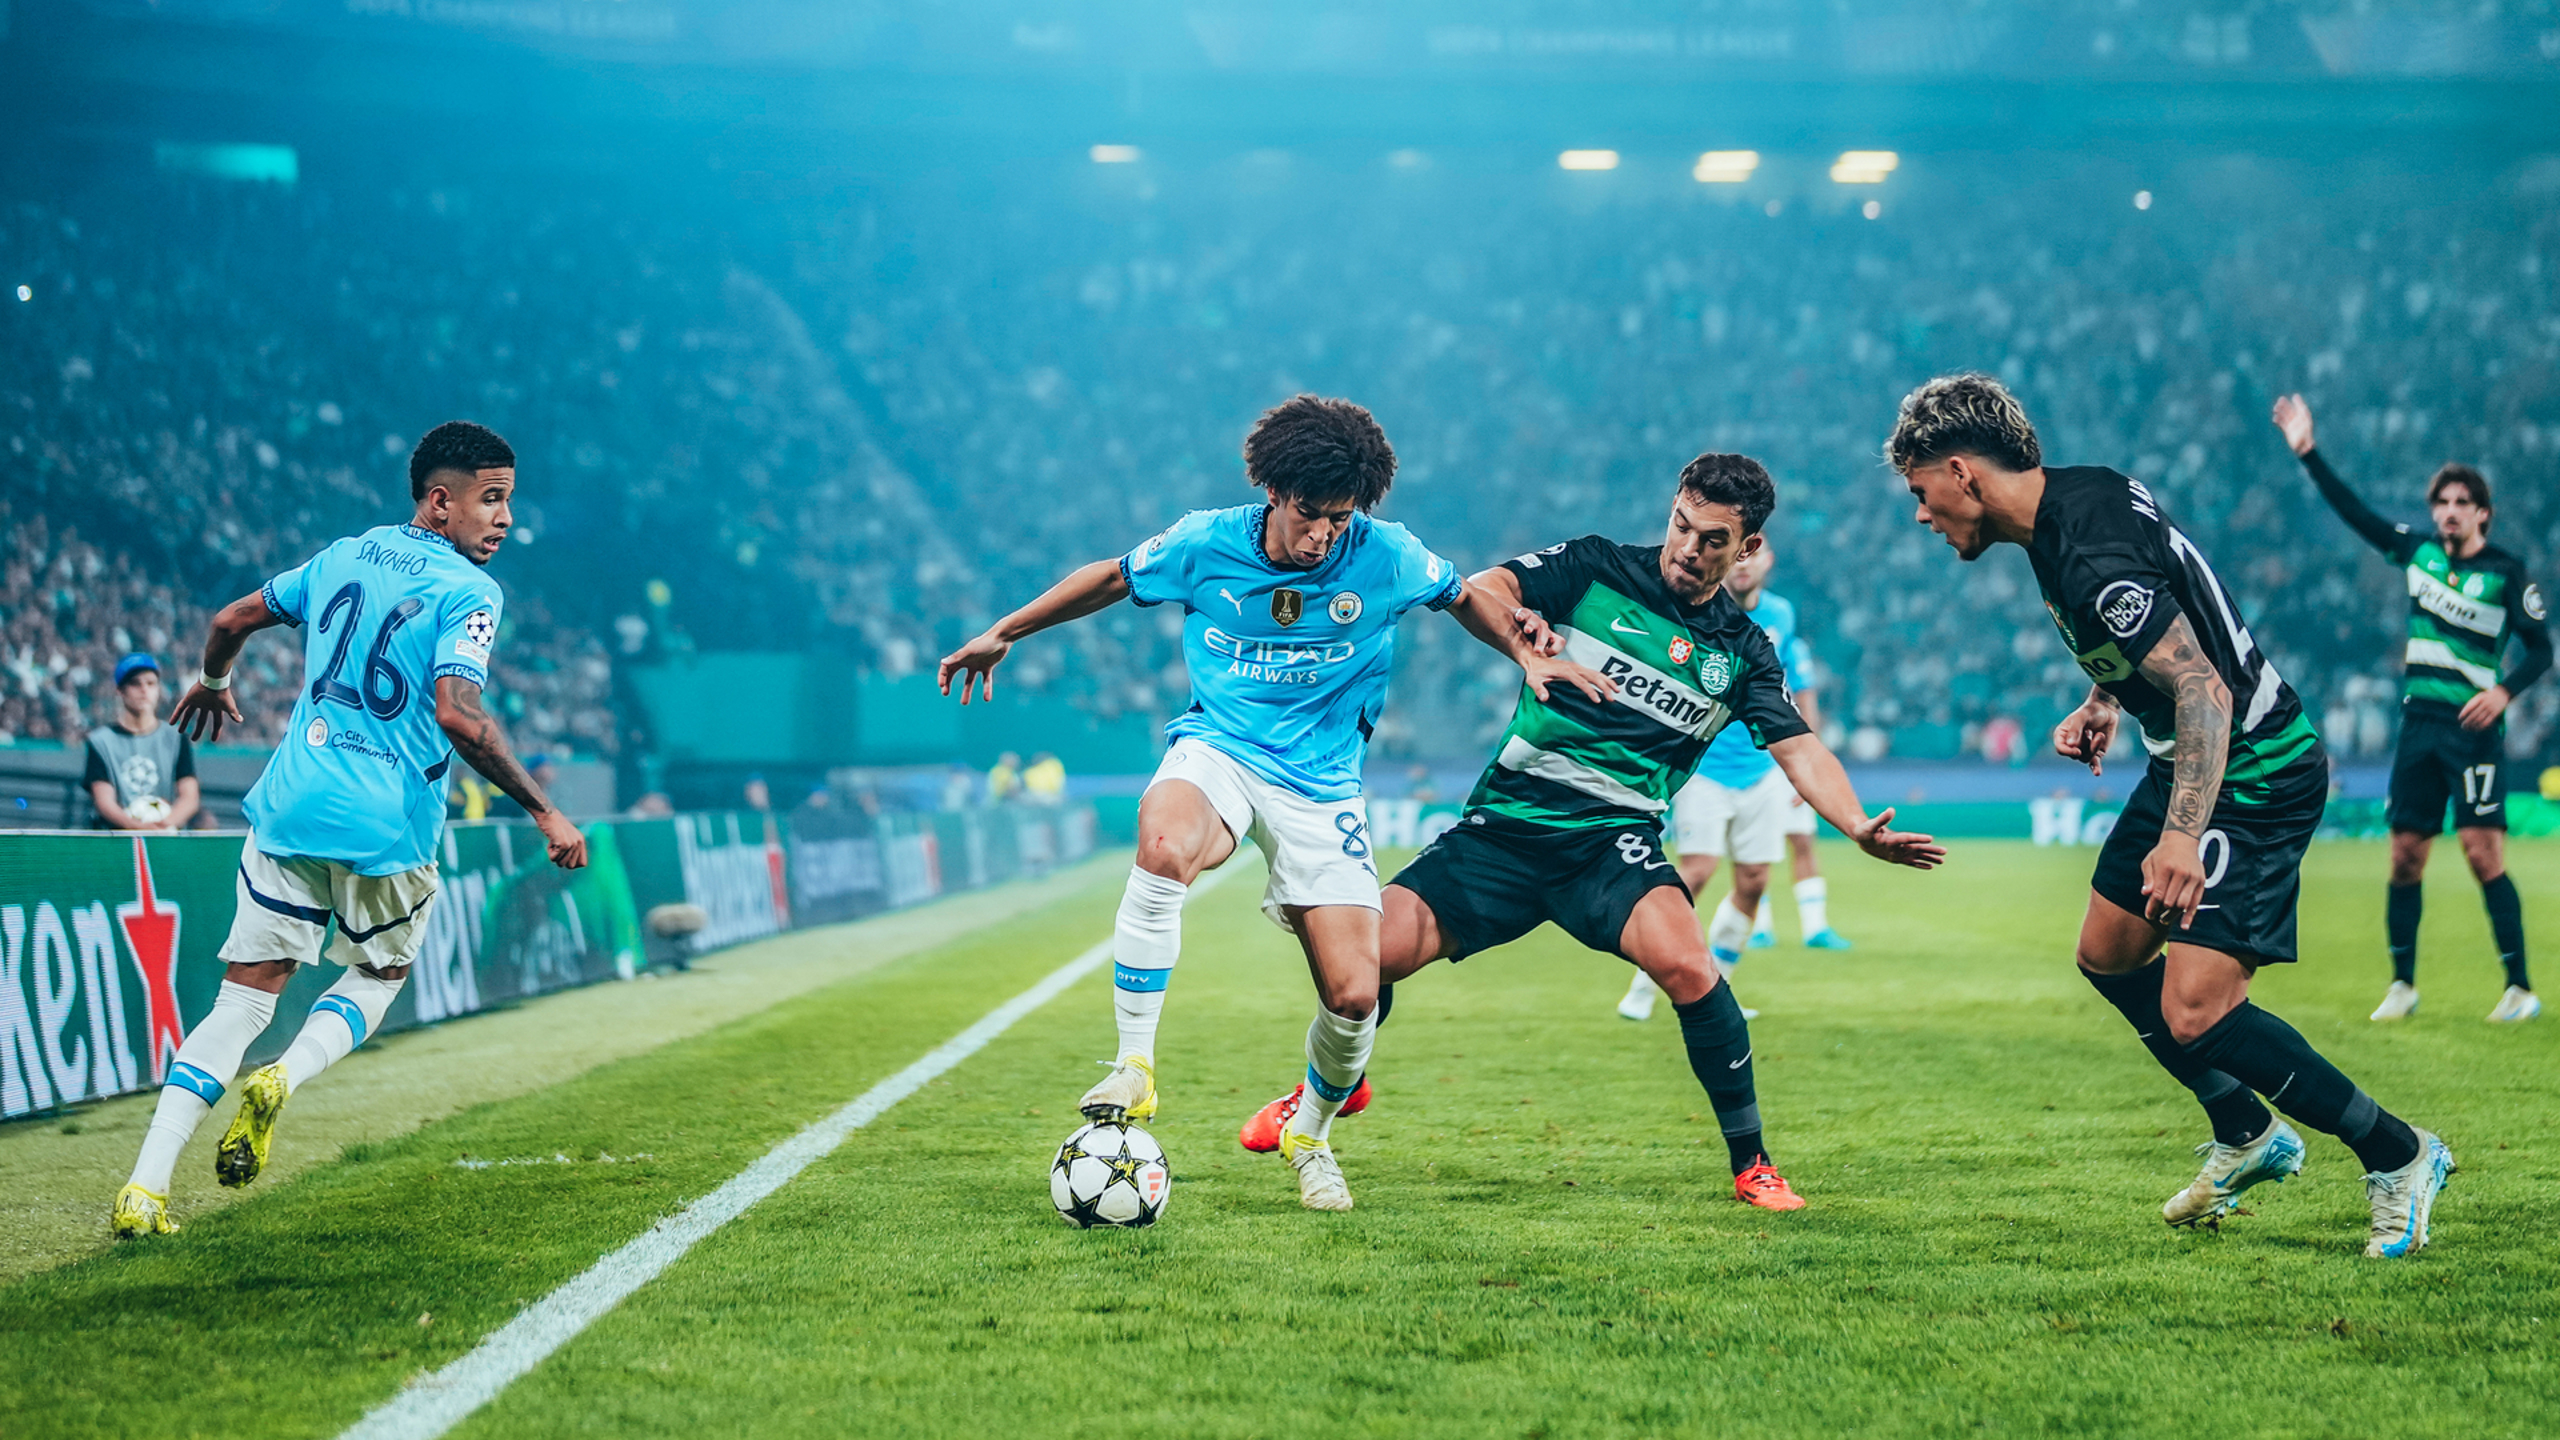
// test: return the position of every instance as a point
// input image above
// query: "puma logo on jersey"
(1230, 599)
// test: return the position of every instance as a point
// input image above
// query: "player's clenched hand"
(1540, 637)
(2293, 417)
(2086, 734)
(568, 847)
(1543, 672)
(975, 663)
(200, 712)
(1899, 847)
(2173, 880)
(2482, 710)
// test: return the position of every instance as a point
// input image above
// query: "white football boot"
(2404, 1199)
(1127, 1093)
(1320, 1182)
(2518, 1004)
(2231, 1169)
(2398, 1003)
(1638, 1003)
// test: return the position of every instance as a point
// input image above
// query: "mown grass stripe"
(436, 1402)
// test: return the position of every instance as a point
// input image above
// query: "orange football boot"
(1763, 1186)
(1261, 1134)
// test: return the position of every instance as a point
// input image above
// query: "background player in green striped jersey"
(1647, 659)
(2467, 598)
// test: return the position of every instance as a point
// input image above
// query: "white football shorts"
(289, 904)
(1747, 826)
(1800, 817)
(1318, 850)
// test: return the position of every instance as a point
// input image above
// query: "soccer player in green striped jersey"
(1634, 657)
(2197, 885)
(2467, 599)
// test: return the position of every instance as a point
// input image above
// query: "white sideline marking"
(434, 1403)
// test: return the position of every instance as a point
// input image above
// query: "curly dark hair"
(1735, 480)
(1317, 450)
(456, 445)
(1969, 414)
(2454, 472)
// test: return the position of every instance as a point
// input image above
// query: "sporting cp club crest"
(1287, 605)
(1715, 672)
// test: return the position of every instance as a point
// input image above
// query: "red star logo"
(151, 931)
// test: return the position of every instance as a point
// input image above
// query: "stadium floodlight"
(2141, 199)
(1864, 167)
(1114, 154)
(1587, 160)
(26, 293)
(1726, 167)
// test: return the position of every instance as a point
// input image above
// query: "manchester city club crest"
(1345, 608)
(1287, 605)
(1715, 671)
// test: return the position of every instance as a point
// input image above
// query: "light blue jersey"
(1731, 759)
(1288, 667)
(359, 778)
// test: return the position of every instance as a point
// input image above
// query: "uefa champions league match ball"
(1110, 1174)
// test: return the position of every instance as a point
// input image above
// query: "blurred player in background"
(141, 769)
(2196, 887)
(343, 825)
(1289, 623)
(1648, 661)
(2467, 598)
(1739, 805)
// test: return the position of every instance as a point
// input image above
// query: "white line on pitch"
(434, 1403)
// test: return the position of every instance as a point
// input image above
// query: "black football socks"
(2400, 914)
(2506, 924)
(2237, 1116)
(1720, 1052)
(2272, 1058)
(1386, 1002)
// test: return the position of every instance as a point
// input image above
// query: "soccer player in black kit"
(2196, 888)
(2467, 598)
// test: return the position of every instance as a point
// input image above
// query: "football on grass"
(1109, 1174)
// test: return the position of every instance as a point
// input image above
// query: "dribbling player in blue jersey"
(344, 823)
(1290, 611)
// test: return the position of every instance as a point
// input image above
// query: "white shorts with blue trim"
(289, 904)
(1318, 850)
(1746, 825)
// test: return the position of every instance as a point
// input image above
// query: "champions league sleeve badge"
(1287, 605)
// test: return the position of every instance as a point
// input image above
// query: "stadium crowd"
(869, 434)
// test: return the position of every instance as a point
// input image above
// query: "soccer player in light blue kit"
(1289, 626)
(1738, 806)
(344, 823)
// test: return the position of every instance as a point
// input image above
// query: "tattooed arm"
(475, 733)
(2173, 875)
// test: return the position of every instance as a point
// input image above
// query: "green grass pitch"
(1545, 1245)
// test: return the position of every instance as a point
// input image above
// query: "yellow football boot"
(139, 1213)
(243, 1152)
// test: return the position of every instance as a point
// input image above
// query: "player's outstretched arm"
(1817, 776)
(2173, 880)
(474, 732)
(2293, 417)
(1087, 589)
(201, 711)
(1492, 612)
(2088, 733)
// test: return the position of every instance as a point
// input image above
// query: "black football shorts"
(2440, 763)
(1488, 888)
(2252, 855)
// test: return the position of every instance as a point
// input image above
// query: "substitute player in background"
(1656, 661)
(1738, 804)
(2206, 859)
(343, 825)
(1289, 624)
(2467, 597)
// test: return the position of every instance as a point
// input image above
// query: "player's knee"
(1160, 853)
(2189, 1016)
(2487, 858)
(1352, 1000)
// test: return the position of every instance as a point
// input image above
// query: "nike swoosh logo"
(1625, 629)
(1738, 1064)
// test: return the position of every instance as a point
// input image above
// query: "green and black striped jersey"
(2462, 610)
(2115, 574)
(1683, 672)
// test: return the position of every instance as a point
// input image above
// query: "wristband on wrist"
(213, 682)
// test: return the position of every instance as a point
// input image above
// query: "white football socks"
(338, 1023)
(1144, 944)
(205, 1064)
(1337, 1056)
(1727, 932)
(1813, 905)
(1762, 918)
